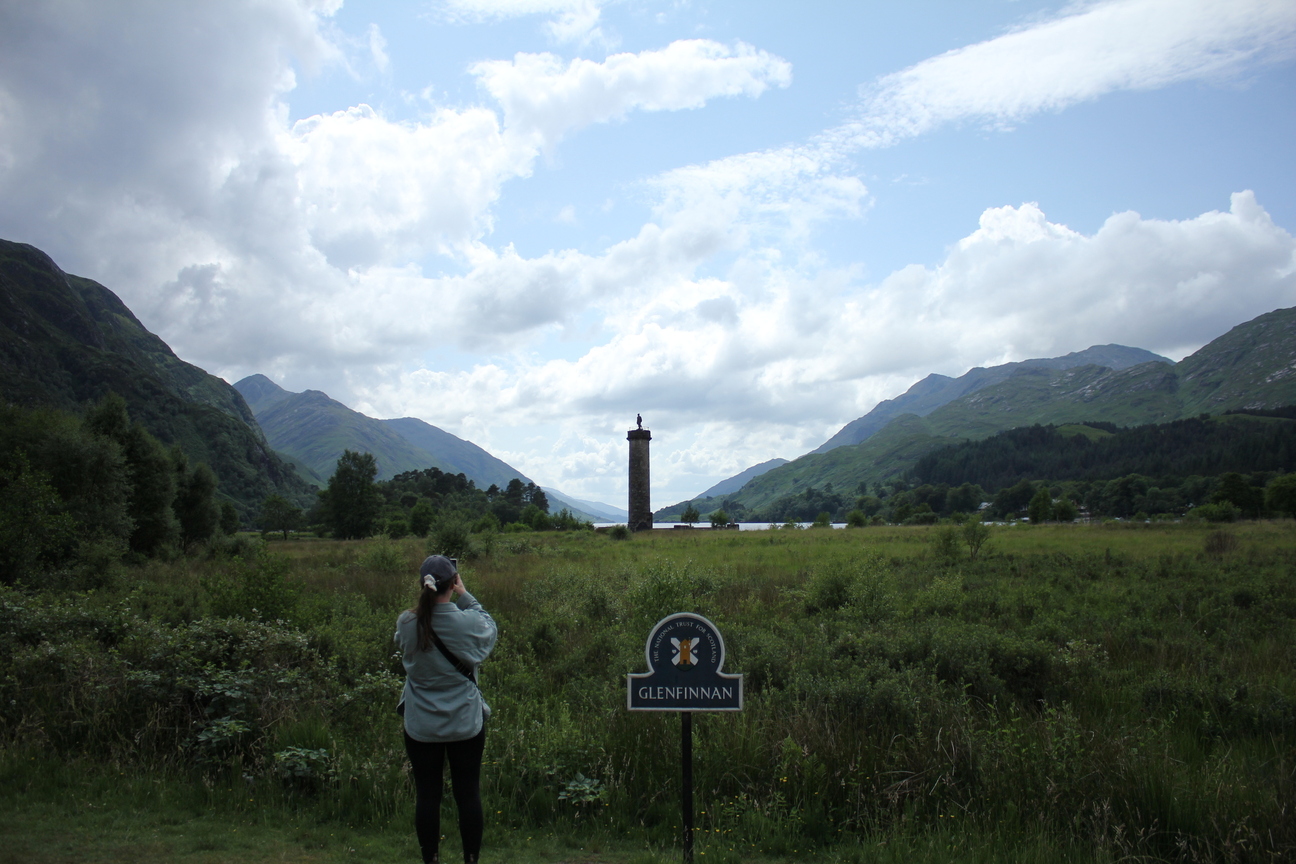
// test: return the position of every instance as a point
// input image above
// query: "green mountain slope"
(65, 342)
(464, 457)
(936, 390)
(315, 429)
(1252, 366)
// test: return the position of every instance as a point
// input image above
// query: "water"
(704, 526)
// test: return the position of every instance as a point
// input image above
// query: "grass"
(1076, 693)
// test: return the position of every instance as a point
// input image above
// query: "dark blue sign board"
(685, 654)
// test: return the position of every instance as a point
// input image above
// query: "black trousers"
(428, 760)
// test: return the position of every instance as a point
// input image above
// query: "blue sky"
(526, 220)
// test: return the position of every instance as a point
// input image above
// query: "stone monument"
(641, 517)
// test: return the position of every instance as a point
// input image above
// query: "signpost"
(685, 654)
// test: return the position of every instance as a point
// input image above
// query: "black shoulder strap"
(464, 668)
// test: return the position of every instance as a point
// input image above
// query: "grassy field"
(1075, 693)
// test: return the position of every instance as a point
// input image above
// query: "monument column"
(641, 517)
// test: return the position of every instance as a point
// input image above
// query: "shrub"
(619, 532)
(823, 520)
(1220, 543)
(856, 519)
(947, 543)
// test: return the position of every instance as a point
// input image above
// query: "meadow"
(1073, 693)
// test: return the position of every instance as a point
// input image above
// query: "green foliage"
(1110, 688)
(1040, 508)
(719, 518)
(254, 589)
(1280, 495)
(229, 518)
(150, 472)
(421, 516)
(351, 500)
(975, 534)
(947, 543)
(280, 515)
(196, 508)
(690, 514)
(856, 519)
(36, 534)
(1235, 489)
(823, 520)
(1064, 510)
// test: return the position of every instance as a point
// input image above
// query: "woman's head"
(437, 576)
(438, 573)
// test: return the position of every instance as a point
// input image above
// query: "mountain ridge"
(67, 341)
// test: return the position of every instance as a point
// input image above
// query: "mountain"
(936, 390)
(1252, 366)
(463, 457)
(594, 511)
(65, 342)
(736, 482)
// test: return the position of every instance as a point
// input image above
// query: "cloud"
(1093, 49)
(546, 98)
(751, 366)
(158, 158)
(575, 22)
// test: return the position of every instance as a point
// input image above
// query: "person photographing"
(443, 640)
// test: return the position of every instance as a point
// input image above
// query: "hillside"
(1182, 448)
(936, 390)
(66, 341)
(1251, 366)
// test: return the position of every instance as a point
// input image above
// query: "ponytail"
(423, 611)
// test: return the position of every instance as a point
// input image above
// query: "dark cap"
(440, 568)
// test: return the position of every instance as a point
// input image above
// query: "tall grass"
(1102, 692)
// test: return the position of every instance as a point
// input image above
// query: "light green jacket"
(441, 704)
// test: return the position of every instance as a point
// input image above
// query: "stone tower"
(641, 517)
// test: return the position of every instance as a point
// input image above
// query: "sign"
(685, 654)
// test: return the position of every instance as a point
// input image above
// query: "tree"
(823, 520)
(34, 531)
(351, 500)
(1235, 489)
(150, 473)
(229, 520)
(857, 519)
(420, 519)
(278, 514)
(690, 515)
(195, 502)
(1041, 506)
(975, 535)
(1280, 494)
(719, 519)
(1064, 510)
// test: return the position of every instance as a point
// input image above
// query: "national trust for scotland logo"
(685, 654)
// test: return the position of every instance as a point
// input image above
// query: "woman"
(442, 643)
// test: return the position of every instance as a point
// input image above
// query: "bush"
(947, 543)
(619, 532)
(857, 519)
(823, 520)
(1221, 511)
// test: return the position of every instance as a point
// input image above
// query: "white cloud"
(746, 368)
(546, 98)
(575, 21)
(1091, 50)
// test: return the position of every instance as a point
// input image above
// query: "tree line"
(80, 493)
(355, 505)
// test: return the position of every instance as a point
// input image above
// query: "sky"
(525, 221)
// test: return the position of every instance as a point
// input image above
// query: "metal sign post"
(685, 654)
